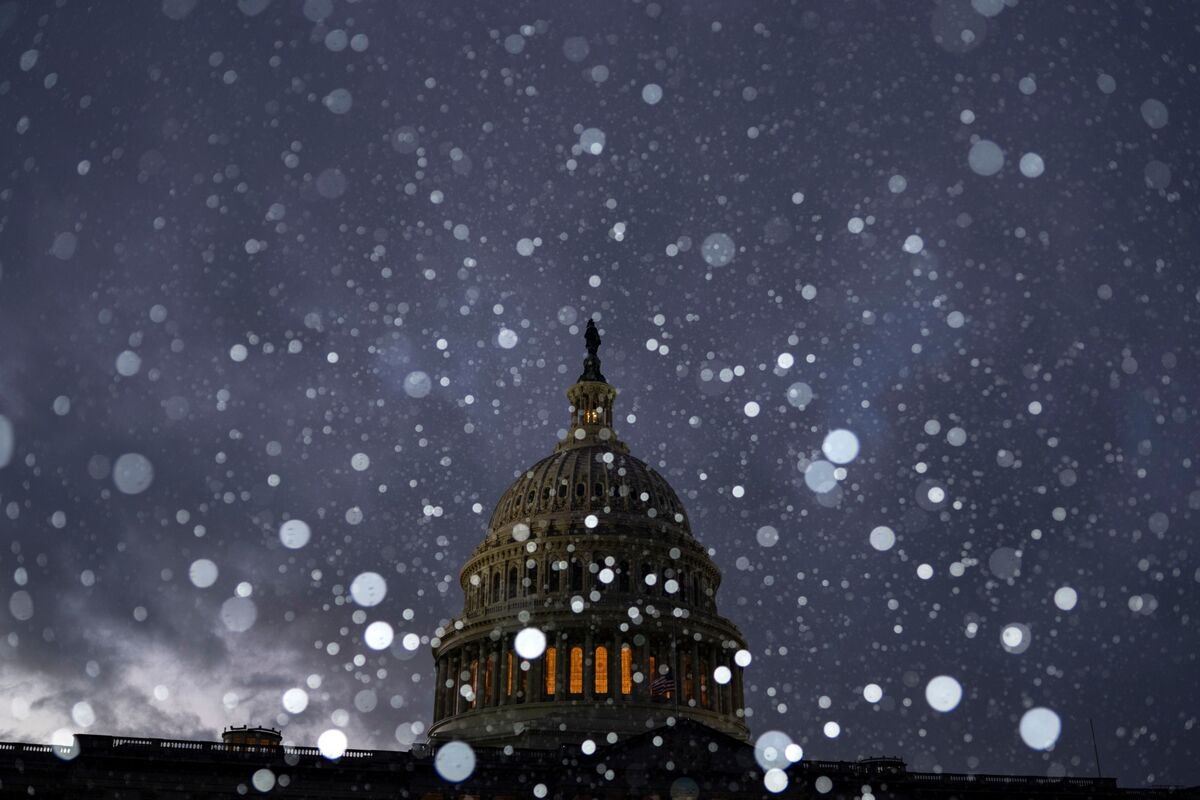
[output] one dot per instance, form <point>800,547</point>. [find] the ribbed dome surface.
<point>586,480</point>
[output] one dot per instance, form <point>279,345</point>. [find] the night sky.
<point>321,267</point>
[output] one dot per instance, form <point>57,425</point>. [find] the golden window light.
<point>601,666</point>
<point>576,684</point>
<point>626,669</point>
<point>551,670</point>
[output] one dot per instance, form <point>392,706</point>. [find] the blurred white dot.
<point>202,573</point>
<point>914,244</point>
<point>368,589</point>
<point>263,780</point>
<point>411,641</point>
<point>872,693</point>
<point>591,521</point>
<point>332,743</point>
<point>840,446</point>
<point>775,780</point>
<point>924,572</point>
<point>722,675</point>
<point>1032,165</point>
<point>751,409</point>
<point>294,533</point>
<point>882,538</point>
<point>767,536</point>
<point>1040,728</point>
<point>1065,598</point>
<point>295,700</point>
<point>943,693</point>
<point>742,658</point>
<point>378,635</point>
<point>530,643</point>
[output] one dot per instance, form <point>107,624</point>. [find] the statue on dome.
<point>591,364</point>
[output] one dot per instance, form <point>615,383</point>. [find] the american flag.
<point>662,686</point>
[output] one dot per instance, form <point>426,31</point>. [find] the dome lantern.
<point>592,399</point>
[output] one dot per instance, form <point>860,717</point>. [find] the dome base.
<point>548,726</point>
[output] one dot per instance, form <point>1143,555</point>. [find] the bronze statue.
<point>592,338</point>
<point>591,364</point>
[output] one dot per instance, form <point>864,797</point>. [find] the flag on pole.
<point>662,686</point>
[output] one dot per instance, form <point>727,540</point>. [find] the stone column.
<point>696,674</point>
<point>614,669</point>
<point>480,677</point>
<point>535,687</point>
<point>739,696</point>
<point>589,665</point>
<point>439,697</point>
<point>676,661</point>
<point>562,656</point>
<point>505,699</point>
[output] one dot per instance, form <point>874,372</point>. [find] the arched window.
<point>512,582</point>
<point>626,669</point>
<point>576,683</point>
<point>487,680</point>
<point>531,573</point>
<point>576,576</point>
<point>551,666</point>
<point>554,570</point>
<point>623,578</point>
<point>474,701</point>
<point>601,670</point>
<point>495,587</point>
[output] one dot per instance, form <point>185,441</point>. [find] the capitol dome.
<point>591,551</point>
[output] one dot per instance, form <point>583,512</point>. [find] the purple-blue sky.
<point>329,261</point>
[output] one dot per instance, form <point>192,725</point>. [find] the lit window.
<point>626,669</point>
<point>576,670</point>
<point>551,670</point>
<point>509,688</point>
<point>601,670</point>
